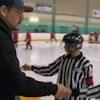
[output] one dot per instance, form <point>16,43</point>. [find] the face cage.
<point>73,45</point>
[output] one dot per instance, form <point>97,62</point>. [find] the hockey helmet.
<point>73,40</point>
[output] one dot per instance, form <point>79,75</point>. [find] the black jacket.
<point>12,80</point>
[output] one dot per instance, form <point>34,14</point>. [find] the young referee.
<point>74,69</point>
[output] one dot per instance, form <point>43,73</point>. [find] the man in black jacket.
<point>12,81</point>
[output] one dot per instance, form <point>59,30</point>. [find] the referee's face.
<point>70,48</point>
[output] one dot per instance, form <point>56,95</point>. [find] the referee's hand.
<point>63,92</point>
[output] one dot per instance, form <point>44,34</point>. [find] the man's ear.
<point>3,10</point>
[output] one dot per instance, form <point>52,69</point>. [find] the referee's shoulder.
<point>87,63</point>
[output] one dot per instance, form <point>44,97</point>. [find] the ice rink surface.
<point>44,53</point>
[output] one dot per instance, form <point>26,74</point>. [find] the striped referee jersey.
<point>73,72</point>
<point>92,92</point>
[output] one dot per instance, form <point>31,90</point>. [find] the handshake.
<point>61,92</point>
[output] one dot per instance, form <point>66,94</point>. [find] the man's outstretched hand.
<point>63,92</point>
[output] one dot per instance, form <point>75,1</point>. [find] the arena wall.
<point>44,37</point>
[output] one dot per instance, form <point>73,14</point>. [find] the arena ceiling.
<point>69,7</point>
<point>67,11</point>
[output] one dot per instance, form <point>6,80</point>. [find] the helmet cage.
<point>74,45</point>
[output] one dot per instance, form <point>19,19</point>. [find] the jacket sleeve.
<point>13,81</point>
<point>49,70</point>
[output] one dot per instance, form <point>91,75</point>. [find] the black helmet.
<point>74,40</point>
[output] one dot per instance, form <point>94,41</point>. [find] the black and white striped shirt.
<point>92,92</point>
<point>72,72</point>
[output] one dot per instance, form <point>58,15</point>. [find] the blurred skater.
<point>28,40</point>
<point>53,37</point>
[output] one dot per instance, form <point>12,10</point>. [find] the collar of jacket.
<point>77,57</point>
<point>5,28</point>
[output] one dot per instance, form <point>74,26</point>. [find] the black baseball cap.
<point>17,4</point>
